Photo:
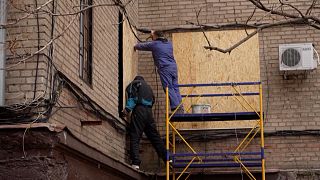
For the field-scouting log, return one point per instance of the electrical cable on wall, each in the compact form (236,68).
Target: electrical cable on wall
(318,59)
(38,56)
(29,107)
(23,112)
(266,111)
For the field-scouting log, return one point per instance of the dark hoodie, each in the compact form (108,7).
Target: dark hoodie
(138,93)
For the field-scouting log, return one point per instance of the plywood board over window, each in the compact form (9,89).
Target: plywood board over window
(130,57)
(198,65)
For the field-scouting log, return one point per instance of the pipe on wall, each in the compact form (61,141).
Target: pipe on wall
(3,20)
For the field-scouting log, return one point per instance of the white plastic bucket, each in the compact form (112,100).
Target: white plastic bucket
(201,108)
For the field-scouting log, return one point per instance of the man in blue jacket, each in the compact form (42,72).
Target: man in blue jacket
(162,52)
(140,100)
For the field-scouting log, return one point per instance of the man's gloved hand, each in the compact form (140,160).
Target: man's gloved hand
(124,113)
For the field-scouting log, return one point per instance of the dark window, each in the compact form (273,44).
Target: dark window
(86,41)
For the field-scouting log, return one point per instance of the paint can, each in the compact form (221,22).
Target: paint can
(201,108)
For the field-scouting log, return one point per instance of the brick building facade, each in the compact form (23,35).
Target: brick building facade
(76,131)
(91,139)
(290,103)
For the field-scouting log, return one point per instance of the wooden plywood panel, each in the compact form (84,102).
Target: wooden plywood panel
(130,57)
(198,65)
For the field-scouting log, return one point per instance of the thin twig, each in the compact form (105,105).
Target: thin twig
(259,5)
(250,17)
(309,10)
(80,11)
(293,7)
(216,26)
(25,16)
(197,16)
(228,50)
(44,47)
(268,13)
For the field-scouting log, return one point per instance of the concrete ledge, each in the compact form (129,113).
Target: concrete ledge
(44,152)
(72,145)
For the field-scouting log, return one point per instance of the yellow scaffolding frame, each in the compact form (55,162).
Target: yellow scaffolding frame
(258,127)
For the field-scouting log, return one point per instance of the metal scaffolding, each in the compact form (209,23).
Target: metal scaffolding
(239,157)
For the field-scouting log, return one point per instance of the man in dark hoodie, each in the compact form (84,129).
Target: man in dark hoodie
(162,52)
(140,100)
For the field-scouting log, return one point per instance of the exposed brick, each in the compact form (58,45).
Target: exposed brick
(26,73)
(14,88)
(290,104)
(104,91)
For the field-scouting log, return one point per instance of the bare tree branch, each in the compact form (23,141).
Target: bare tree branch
(290,19)
(128,3)
(228,50)
(306,18)
(259,5)
(293,7)
(198,23)
(79,11)
(44,47)
(216,26)
(268,13)
(250,17)
(315,26)
(284,14)
(25,16)
(309,10)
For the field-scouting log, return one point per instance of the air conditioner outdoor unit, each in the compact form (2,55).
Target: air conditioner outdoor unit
(296,57)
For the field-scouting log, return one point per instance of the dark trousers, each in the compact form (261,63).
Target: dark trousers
(142,121)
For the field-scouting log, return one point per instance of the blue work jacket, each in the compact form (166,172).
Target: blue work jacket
(162,52)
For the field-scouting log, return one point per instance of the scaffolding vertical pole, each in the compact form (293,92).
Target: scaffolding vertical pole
(262,135)
(174,151)
(167,132)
